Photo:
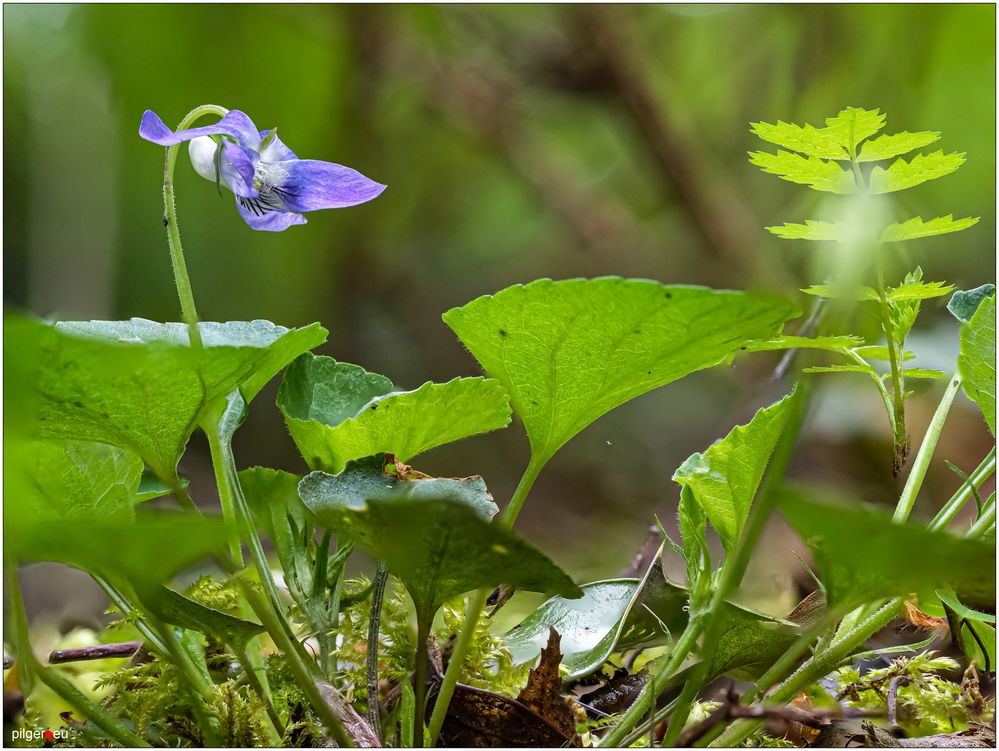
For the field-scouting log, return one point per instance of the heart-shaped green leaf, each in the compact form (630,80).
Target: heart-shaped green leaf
(862,555)
(137,384)
(977,360)
(337,412)
(438,547)
(570,351)
(724,479)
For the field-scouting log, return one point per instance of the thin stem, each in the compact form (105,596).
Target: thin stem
(226,495)
(181,278)
(509,515)
(967,489)
(130,612)
(650,724)
(374,622)
(477,602)
(984,522)
(420,677)
(922,461)
(473,610)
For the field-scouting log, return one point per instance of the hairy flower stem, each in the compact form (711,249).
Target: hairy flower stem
(180,275)
(28,665)
(374,622)
(968,488)
(899,434)
(477,602)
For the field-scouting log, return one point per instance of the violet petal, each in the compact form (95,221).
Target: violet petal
(313,185)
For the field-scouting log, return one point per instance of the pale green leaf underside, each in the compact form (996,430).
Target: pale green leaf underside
(977,360)
(439,548)
(911,229)
(816,173)
(923,167)
(862,555)
(405,423)
(138,385)
(725,477)
(890,146)
(618,614)
(365,478)
(570,351)
(964,303)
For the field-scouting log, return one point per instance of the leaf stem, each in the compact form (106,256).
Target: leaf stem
(420,676)
(477,601)
(181,278)
(226,495)
(921,463)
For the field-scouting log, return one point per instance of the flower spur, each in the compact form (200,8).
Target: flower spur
(272,185)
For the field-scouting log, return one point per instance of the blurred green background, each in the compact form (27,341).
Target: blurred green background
(517,142)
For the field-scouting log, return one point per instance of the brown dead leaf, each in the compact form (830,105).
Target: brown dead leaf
(477,718)
(543,692)
(919,619)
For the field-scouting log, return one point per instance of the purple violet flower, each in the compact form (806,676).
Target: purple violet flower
(271,184)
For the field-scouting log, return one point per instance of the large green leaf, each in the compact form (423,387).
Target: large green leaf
(439,548)
(77,480)
(570,351)
(142,553)
(977,360)
(862,555)
(137,384)
(922,167)
(337,412)
(724,478)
